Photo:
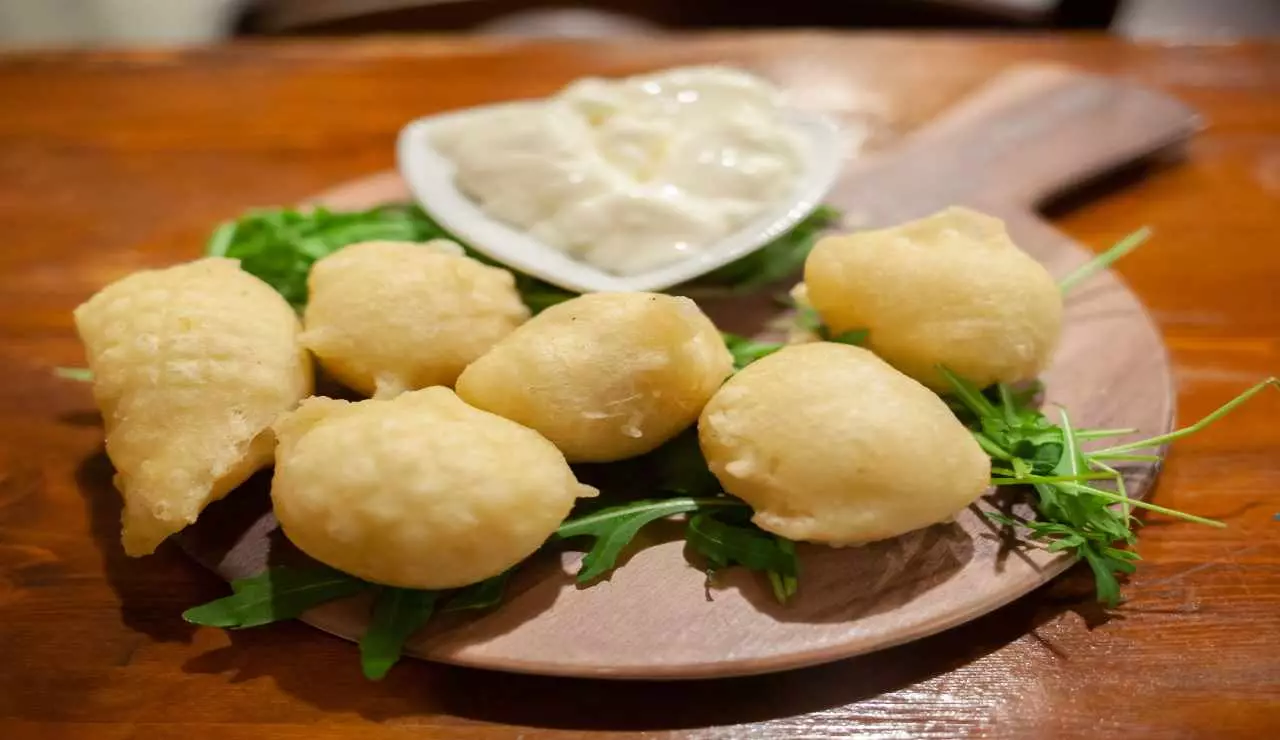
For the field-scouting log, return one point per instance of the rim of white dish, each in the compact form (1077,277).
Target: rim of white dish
(430,176)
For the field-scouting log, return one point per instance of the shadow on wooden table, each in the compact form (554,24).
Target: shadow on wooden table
(137,592)
(636,706)
(895,571)
(324,672)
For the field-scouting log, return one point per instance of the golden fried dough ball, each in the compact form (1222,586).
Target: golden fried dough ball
(830,444)
(604,376)
(419,491)
(191,364)
(950,289)
(386,317)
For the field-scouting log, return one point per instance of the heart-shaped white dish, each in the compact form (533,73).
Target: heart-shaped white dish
(430,176)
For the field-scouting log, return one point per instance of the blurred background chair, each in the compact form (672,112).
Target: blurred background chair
(557,17)
(62,23)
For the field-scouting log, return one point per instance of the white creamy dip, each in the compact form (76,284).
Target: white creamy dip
(632,174)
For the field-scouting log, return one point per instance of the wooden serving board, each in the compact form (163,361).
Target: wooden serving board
(1030,133)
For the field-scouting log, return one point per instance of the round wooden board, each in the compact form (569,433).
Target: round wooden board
(656,617)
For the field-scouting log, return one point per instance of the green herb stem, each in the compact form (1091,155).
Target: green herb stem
(1220,412)
(79,374)
(222,239)
(1103,433)
(1024,480)
(968,394)
(990,447)
(1121,456)
(1122,499)
(1072,454)
(1121,488)
(1105,259)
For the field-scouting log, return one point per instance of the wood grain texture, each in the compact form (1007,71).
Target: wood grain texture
(110,162)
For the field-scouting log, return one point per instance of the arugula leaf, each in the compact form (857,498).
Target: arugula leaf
(779,259)
(784,586)
(275,594)
(1021,437)
(81,374)
(808,320)
(283,593)
(729,538)
(746,351)
(279,245)
(479,596)
(681,468)
(1095,524)
(397,614)
(1013,429)
(614,527)
(855,337)
(1047,457)
(537,295)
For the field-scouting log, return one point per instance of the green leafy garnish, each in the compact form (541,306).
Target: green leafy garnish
(779,259)
(746,351)
(728,537)
(283,593)
(613,528)
(1090,522)
(680,467)
(808,320)
(279,245)
(80,374)
(397,614)
(538,295)
(1026,448)
(856,337)
(479,596)
(274,595)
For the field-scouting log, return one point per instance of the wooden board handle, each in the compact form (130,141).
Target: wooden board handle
(1031,132)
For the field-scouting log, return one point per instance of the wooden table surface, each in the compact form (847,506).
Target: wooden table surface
(114,161)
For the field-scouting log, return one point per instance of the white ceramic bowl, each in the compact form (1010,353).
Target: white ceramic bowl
(430,178)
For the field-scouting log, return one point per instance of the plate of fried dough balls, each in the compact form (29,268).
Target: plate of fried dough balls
(426,432)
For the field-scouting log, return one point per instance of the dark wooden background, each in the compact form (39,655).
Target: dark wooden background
(114,161)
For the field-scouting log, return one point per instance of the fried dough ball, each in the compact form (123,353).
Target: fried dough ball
(830,444)
(605,376)
(950,289)
(386,317)
(190,364)
(420,491)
